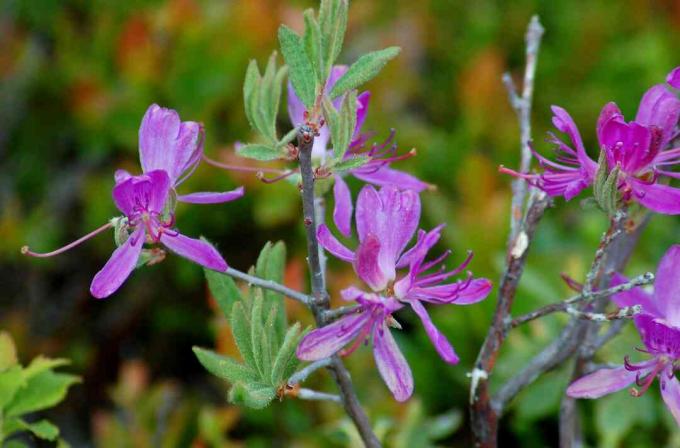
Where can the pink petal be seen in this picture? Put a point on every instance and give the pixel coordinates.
(659, 107)
(667, 285)
(198, 251)
(477, 290)
(439, 341)
(332, 245)
(167, 143)
(391, 364)
(362, 110)
(119, 267)
(342, 210)
(211, 198)
(673, 78)
(657, 197)
(121, 176)
(389, 176)
(367, 264)
(326, 341)
(149, 190)
(670, 392)
(601, 382)
(563, 121)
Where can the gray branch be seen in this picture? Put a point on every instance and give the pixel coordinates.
(271, 285)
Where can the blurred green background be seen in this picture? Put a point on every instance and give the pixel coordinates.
(76, 77)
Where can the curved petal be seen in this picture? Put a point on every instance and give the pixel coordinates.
(328, 340)
(198, 251)
(660, 108)
(391, 364)
(119, 267)
(657, 197)
(438, 339)
(632, 297)
(149, 191)
(121, 175)
(167, 143)
(388, 176)
(477, 290)
(673, 78)
(667, 285)
(608, 112)
(332, 245)
(670, 392)
(367, 264)
(342, 210)
(211, 198)
(296, 109)
(601, 382)
(563, 121)
(362, 110)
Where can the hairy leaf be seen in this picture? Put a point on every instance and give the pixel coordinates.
(252, 395)
(285, 361)
(271, 265)
(333, 24)
(351, 163)
(313, 45)
(256, 329)
(240, 328)
(224, 367)
(364, 69)
(223, 289)
(301, 69)
(259, 152)
(251, 86)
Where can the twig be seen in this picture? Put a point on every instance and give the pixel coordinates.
(320, 305)
(308, 394)
(640, 280)
(271, 285)
(331, 315)
(301, 375)
(627, 312)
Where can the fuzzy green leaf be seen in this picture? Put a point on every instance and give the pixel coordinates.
(333, 24)
(269, 342)
(313, 45)
(364, 69)
(350, 163)
(256, 329)
(11, 380)
(271, 265)
(301, 69)
(8, 353)
(41, 391)
(259, 152)
(41, 363)
(285, 361)
(251, 86)
(224, 367)
(266, 115)
(341, 124)
(240, 328)
(43, 429)
(252, 395)
(223, 289)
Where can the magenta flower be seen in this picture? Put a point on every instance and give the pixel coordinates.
(169, 151)
(659, 328)
(386, 221)
(638, 148)
(370, 321)
(377, 171)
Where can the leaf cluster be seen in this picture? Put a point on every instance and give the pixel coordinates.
(605, 187)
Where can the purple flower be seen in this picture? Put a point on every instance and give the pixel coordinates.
(386, 220)
(169, 152)
(377, 171)
(637, 148)
(370, 321)
(659, 328)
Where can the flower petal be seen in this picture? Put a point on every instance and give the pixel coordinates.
(167, 143)
(332, 245)
(328, 340)
(211, 198)
(362, 110)
(388, 176)
(660, 108)
(121, 176)
(673, 78)
(367, 264)
(342, 210)
(563, 121)
(438, 339)
(601, 382)
(119, 267)
(477, 290)
(667, 285)
(657, 197)
(670, 392)
(149, 191)
(391, 364)
(198, 251)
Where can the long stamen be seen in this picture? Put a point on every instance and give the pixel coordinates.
(244, 169)
(26, 250)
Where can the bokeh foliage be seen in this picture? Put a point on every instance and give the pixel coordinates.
(75, 79)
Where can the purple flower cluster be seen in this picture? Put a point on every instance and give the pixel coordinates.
(640, 149)
(386, 220)
(659, 328)
(170, 150)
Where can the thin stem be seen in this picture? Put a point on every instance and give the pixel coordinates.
(27, 251)
(308, 394)
(271, 285)
(626, 312)
(640, 280)
(336, 313)
(245, 169)
(302, 375)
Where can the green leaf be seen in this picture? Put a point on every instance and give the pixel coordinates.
(342, 124)
(269, 342)
(252, 395)
(333, 24)
(271, 265)
(364, 69)
(11, 380)
(224, 367)
(240, 328)
(259, 152)
(223, 289)
(289, 137)
(313, 45)
(8, 352)
(266, 103)
(251, 86)
(351, 163)
(41, 391)
(41, 363)
(42, 429)
(285, 361)
(256, 329)
(301, 69)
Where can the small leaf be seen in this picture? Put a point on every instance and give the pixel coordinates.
(43, 429)
(313, 45)
(341, 124)
(269, 342)
(41, 363)
(252, 395)
(40, 392)
(270, 266)
(364, 69)
(289, 137)
(251, 86)
(8, 352)
(301, 69)
(333, 24)
(11, 380)
(266, 114)
(285, 355)
(351, 163)
(224, 367)
(259, 152)
(240, 328)
(223, 289)
(256, 328)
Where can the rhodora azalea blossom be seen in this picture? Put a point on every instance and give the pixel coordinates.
(659, 328)
(639, 149)
(377, 171)
(386, 221)
(169, 152)
(372, 319)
